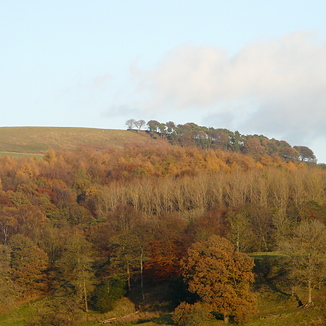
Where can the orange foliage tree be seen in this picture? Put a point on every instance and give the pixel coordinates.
(164, 262)
(221, 277)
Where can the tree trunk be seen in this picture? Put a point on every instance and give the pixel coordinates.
(85, 296)
(141, 273)
(226, 319)
(309, 292)
(128, 277)
(238, 241)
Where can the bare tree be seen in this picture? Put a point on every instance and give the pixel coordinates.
(139, 124)
(130, 123)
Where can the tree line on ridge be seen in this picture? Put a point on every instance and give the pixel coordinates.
(190, 134)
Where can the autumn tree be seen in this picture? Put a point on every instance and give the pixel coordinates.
(305, 154)
(8, 222)
(164, 261)
(221, 277)
(28, 264)
(192, 314)
(74, 269)
(253, 147)
(7, 288)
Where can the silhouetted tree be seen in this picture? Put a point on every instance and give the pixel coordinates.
(130, 123)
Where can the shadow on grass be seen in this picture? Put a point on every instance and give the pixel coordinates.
(165, 319)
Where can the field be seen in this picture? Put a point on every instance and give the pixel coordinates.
(275, 309)
(35, 141)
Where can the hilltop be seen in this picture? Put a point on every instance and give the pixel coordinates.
(38, 140)
(35, 141)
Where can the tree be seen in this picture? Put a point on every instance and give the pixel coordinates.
(170, 127)
(164, 262)
(7, 289)
(56, 311)
(307, 250)
(139, 124)
(130, 123)
(253, 147)
(192, 314)
(153, 125)
(305, 154)
(74, 268)
(8, 222)
(221, 277)
(235, 141)
(240, 233)
(162, 129)
(131, 250)
(28, 264)
(106, 294)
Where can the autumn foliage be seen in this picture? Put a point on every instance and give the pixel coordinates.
(73, 220)
(221, 277)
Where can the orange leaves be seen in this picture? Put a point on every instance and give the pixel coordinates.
(221, 277)
(164, 261)
(28, 263)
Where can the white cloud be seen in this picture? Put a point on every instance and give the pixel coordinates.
(277, 86)
(201, 76)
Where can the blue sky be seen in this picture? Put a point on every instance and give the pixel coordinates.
(254, 66)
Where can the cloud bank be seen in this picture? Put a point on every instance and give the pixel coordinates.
(276, 86)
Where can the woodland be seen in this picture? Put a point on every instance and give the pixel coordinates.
(201, 228)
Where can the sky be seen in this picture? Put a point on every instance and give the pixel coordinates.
(256, 66)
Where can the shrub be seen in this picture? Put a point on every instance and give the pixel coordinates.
(106, 294)
(191, 314)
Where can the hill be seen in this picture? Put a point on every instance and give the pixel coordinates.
(37, 140)
(80, 222)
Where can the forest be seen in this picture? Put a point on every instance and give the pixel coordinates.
(82, 229)
(190, 134)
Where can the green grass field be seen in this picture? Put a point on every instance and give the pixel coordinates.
(275, 309)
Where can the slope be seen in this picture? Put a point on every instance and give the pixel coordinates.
(40, 139)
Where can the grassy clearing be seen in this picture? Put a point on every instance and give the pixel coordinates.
(276, 309)
(19, 316)
(264, 255)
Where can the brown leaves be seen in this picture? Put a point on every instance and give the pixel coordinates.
(221, 277)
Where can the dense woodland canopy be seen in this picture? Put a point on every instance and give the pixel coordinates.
(191, 134)
(76, 222)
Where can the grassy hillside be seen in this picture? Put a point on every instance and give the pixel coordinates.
(275, 310)
(40, 139)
